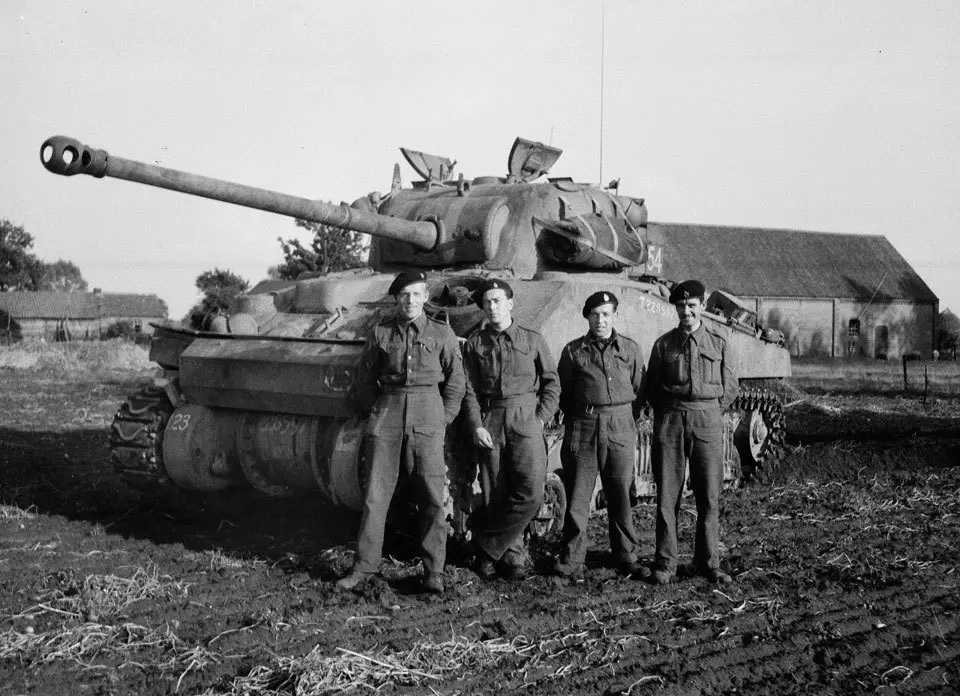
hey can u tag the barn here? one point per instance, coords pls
(839, 295)
(59, 316)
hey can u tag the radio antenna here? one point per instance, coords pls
(602, 43)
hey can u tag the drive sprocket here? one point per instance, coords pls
(759, 435)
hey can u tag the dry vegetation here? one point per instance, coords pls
(937, 379)
(78, 358)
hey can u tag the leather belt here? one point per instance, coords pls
(409, 389)
(487, 403)
(674, 404)
(590, 409)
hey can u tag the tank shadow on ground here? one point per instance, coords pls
(70, 474)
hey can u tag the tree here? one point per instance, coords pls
(19, 269)
(63, 276)
(332, 249)
(948, 333)
(219, 288)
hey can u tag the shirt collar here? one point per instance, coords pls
(419, 324)
(510, 332)
(599, 342)
(696, 336)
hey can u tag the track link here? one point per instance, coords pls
(136, 440)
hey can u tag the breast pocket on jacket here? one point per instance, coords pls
(521, 360)
(710, 365)
(674, 368)
(428, 354)
(394, 356)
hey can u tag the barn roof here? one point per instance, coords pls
(750, 261)
(80, 305)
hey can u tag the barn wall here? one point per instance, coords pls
(807, 324)
(821, 327)
(65, 329)
(909, 328)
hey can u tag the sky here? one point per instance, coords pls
(826, 116)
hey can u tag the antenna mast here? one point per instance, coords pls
(602, 43)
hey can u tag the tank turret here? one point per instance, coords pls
(262, 399)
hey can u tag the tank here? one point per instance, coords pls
(262, 399)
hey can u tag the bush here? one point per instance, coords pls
(119, 329)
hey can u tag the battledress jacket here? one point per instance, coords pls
(409, 357)
(689, 370)
(501, 365)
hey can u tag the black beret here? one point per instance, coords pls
(405, 278)
(686, 290)
(597, 299)
(492, 284)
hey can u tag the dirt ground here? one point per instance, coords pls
(845, 565)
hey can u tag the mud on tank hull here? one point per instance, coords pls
(268, 407)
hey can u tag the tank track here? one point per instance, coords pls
(758, 459)
(136, 441)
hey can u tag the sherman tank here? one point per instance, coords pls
(261, 399)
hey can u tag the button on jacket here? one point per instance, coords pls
(594, 372)
(686, 369)
(504, 364)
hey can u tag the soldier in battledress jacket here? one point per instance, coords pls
(410, 381)
(691, 380)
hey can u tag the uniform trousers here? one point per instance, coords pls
(694, 435)
(404, 433)
(604, 442)
(512, 476)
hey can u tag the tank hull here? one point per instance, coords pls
(273, 412)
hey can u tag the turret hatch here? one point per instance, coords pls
(529, 160)
(430, 167)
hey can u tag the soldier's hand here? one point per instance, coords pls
(482, 438)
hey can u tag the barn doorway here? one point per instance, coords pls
(881, 342)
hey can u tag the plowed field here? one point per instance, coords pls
(845, 565)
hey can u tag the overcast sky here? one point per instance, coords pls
(828, 116)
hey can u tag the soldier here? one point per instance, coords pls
(691, 379)
(512, 393)
(410, 382)
(601, 375)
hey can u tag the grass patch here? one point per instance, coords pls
(347, 671)
(102, 597)
(75, 358)
(76, 628)
(848, 376)
(12, 512)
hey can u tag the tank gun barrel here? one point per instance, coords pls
(67, 156)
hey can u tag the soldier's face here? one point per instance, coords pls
(410, 301)
(601, 319)
(498, 307)
(688, 311)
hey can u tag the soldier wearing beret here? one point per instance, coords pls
(410, 382)
(601, 375)
(691, 379)
(512, 393)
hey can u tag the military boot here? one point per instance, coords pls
(353, 580)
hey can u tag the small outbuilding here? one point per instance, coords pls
(64, 316)
(839, 295)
